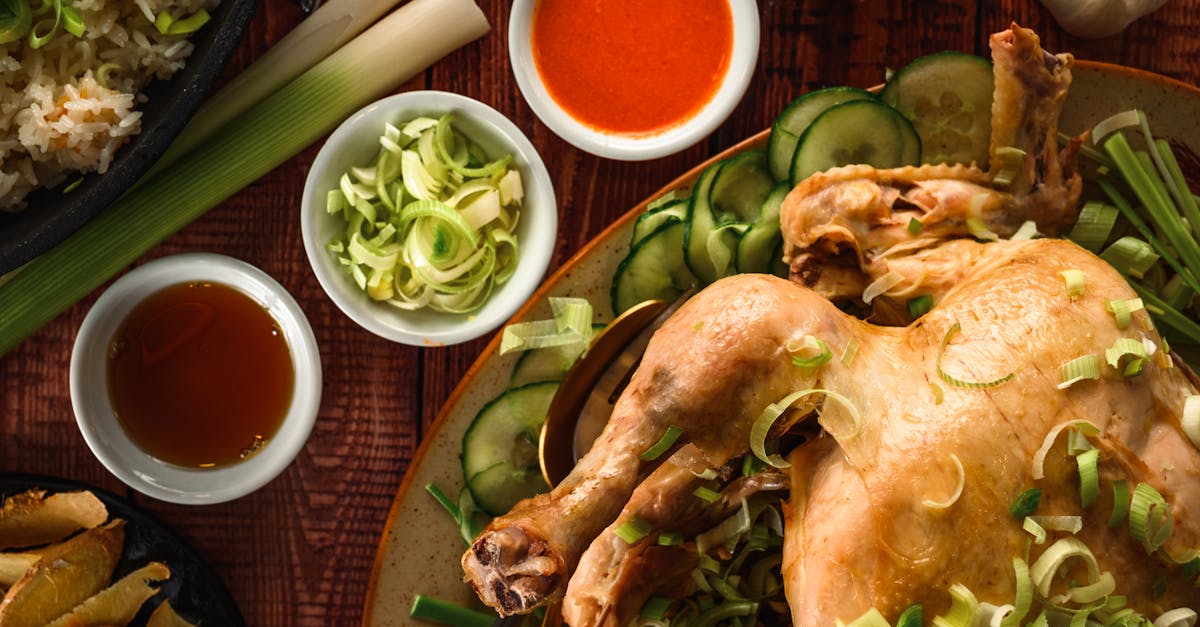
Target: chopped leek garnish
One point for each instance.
(1094, 225)
(1150, 518)
(880, 286)
(811, 352)
(1024, 596)
(850, 351)
(571, 324)
(938, 396)
(1026, 504)
(915, 226)
(762, 425)
(1130, 256)
(633, 530)
(963, 608)
(870, 618)
(1043, 571)
(166, 23)
(1039, 458)
(1035, 529)
(656, 608)
(1178, 617)
(728, 531)
(1114, 122)
(1129, 352)
(1089, 476)
(1190, 419)
(443, 242)
(912, 616)
(16, 20)
(673, 538)
(956, 382)
(1027, 231)
(920, 305)
(1076, 281)
(663, 444)
(959, 483)
(1123, 310)
(1079, 369)
(708, 495)
(1120, 503)
(438, 611)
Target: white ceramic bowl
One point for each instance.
(635, 147)
(355, 143)
(113, 446)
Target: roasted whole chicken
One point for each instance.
(909, 491)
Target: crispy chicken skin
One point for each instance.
(871, 522)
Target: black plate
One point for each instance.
(195, 591)
(51, 216)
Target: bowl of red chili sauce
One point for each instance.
(633, 79)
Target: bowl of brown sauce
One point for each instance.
(195, 378)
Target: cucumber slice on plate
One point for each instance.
(859, 131)
(948, 98)
(790, 125)
(647, 223)
(655, 268)
(499, 450)
(726, 200)
(758, 248)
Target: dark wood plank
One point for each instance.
(299, 551)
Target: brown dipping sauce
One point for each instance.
(200, 375)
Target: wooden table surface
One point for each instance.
(300, 550)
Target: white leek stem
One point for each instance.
(318, 36)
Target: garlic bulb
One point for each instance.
(1099, 18)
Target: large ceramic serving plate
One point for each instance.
(420, 548)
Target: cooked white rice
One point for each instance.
(67, 107)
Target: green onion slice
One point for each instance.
(72, 22)
(912, 616)
(663, 444)
(1035, 529)
(806, 346)
(656, 608)
(1123, 310)
(870, 618)
(1150, 518)
(961, 383)
(1178, 617)
(728, 530)
(673, 538)
(1094, 225)
(1130, 256)
(881, 285)
(633, 530)
(1114, 122)
(1128, 351)
(920, 305)
(708, 495)
(1043, 571)
(1076, 281)
(963, 608)
(915, 226)
(571, 324)
(1089, 476)
(1027, 231)
(1085, 367)
(850, 351)
(1120, 503)
(1026, 503)
(44, 29)
(1024, 596)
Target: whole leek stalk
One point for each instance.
(330, 27)
(371, 65)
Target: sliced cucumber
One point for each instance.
(741, 187)
(699, 228)
(859, 131)
(948, 98)
(758, 246)
(647, 223)
(790, 125)
(499, 454)
(547, 364)
(655, 268)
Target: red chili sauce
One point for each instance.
(200, 375)
(632, 66)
